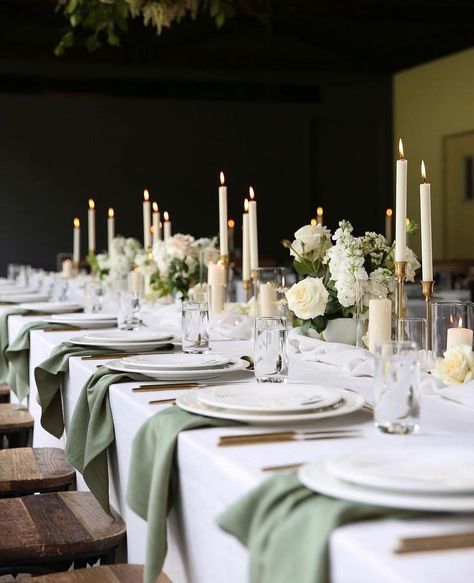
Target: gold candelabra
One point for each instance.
(246, 284)
(427, 287)
(400, 272)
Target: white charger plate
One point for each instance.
(127, 336)
(178, 361)
(22, 298)
(51, 307)
(271, 398)
(120, 346)
(179, 375)
(316, 477)
(423, 470)
(190, 401)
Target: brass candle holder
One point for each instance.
(427, 287)
(246, 285)
(400, 272)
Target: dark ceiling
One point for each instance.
(327, 36)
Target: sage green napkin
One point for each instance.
(92, 431)
(49, 376)
(4, 377)
(18, 355)
(152, 477)
(286, 528)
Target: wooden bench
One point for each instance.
(16, 425)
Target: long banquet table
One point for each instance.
(211, 478)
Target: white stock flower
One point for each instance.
(308, 298)
(412, 265)
(456, 368)
(311, 241)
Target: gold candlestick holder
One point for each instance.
(224, 259)
(246, 284)
(400, 272)
(427, 287)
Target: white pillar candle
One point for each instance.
(253, 230)
(166, 226)
(380, 322)
(68, 268)
(156, 223)
(245, 243)
(110, 228)
(76, 254)
(319, 215)
(146, 220)
(426, 243)
(91, 226)
(267, 300)
(136, 283)
(459, 336)
(401, 208)
(388, 226)
(216, 287)
(223, 242)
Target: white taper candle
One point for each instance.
(426, 242)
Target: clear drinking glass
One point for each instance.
(397, 387)
(129, 306)
(195, 327)
(414, 330)
(446, 315)
(270, 288)
(271, 349)
(93, 297)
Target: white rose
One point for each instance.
(312, 240)
(308, 298)
(456, 368)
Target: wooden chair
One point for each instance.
(26, 470)
(48, 533)
(16, 425)
(4, 394)
(112, 574)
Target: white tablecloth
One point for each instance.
(211, 478)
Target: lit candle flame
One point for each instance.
(314, 222)
(460, 323)
(161, 225)
(246, 205)
(407, 221)
(91, 204)
(152, 229)
(222, 177)
(146, 195)
(155, 207)
(166, 216)
(231, 223)
(111, 213)
(400, 149)
(251, 193)
(319, 211)
(77, 223)
(389, 212)
(423, 170)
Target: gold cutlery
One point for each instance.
(284, 468)
(441, 542)
(165, 387)
(65, 329)
(162, 401)
(262, 438)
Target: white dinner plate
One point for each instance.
(190, 401)
(269, 398)
(127, 336)
(423, 469)
(316, 477)
(51, 307)
(178, 361)
(120, 346)
(22, 298)
(179, 375)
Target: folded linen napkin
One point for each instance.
(4, 377)
(92, 431)
(461, 394)
(166, 318)
(354, 361)
(235, 326)
(18, 355)
(152, 477)
(286, 528)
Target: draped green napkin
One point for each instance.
(92, 431)
(49, 376)
(18, 355)
(152, 477)
(286, 528)
(4, 376)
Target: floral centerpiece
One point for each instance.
(456, 367)
(342, 276)
(121, 259)
(178, 262)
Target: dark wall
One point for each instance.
(58, 149)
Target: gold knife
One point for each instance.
(261, 438)
(440, 542)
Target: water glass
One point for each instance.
(413, 330)
(397, 387)
(93, 297)
(129, 306)
(269, 289)
(271, 349)
(195, 327)
(446, 315)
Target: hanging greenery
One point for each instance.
(104, 21)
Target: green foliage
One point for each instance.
(102, 22)
(178, 281)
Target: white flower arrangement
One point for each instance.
(352, 271)
(456, 367)
(121, 259)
